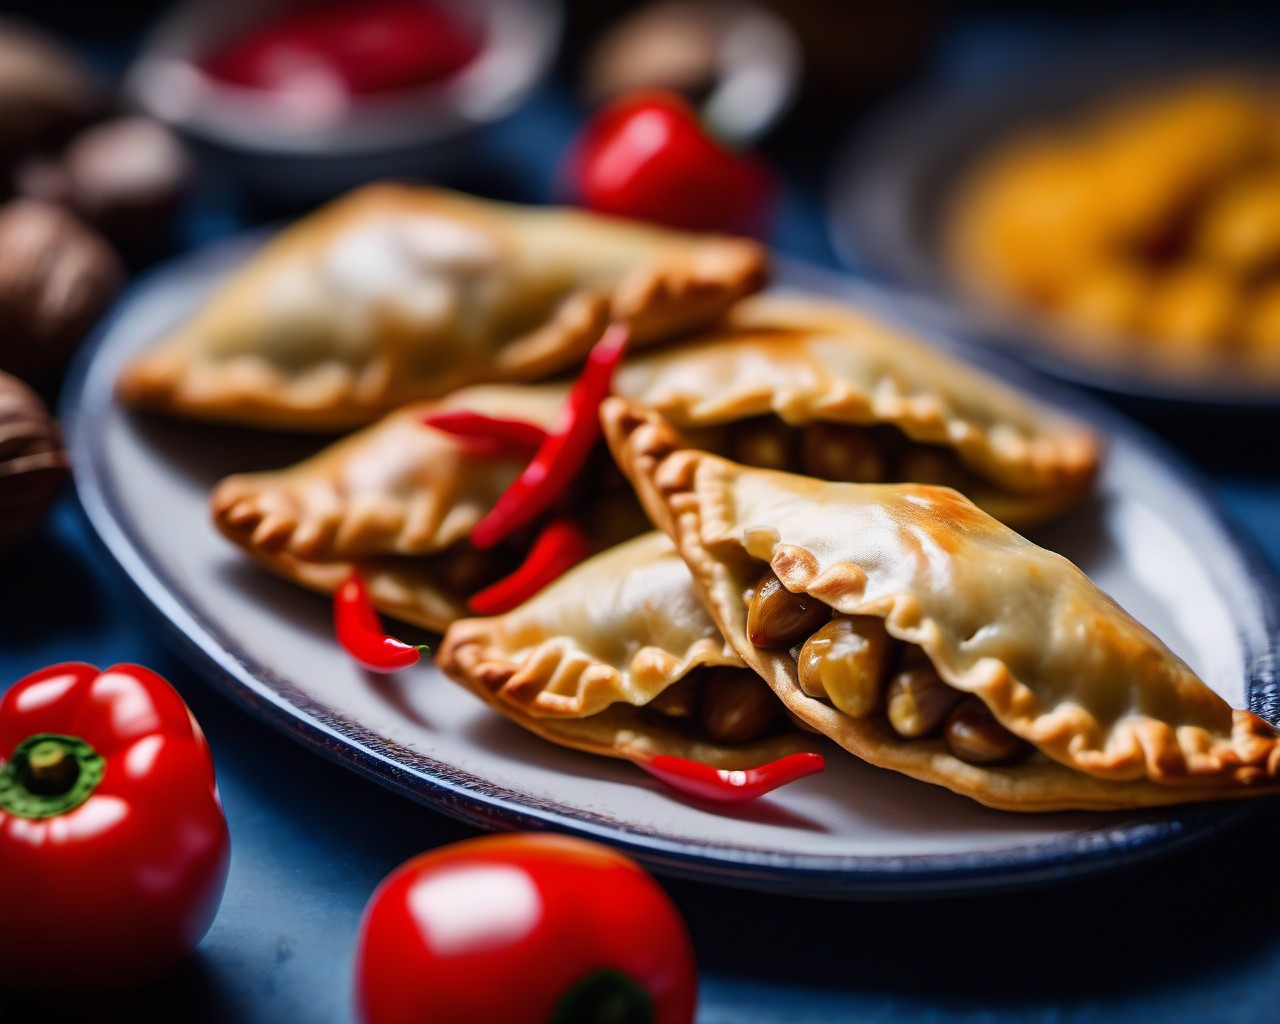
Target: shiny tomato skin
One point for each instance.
(500, 928)
(647, 157)
(111, 894)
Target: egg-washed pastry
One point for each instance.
(400, 498)
(1146, 230)
(809, 385)
(786, 384)
(618, 657)
(396, 293)
(922, 635)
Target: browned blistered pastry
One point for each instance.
(396, 293)
(400, 498)
(618, 657)
(792, 384)
(924, 636)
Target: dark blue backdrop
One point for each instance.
(1193, 937)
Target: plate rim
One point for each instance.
(469, 798)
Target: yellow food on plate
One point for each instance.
(1143, 231)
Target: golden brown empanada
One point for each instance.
(401, 488)
(397, 293)
(618, 657)
(814, 386)
(796, 384)
(1049, 696)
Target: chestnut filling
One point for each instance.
(842, 452)
(853, 664)
(725, 705)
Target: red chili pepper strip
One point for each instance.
(565, 449)
(489, 435)
(559, 547)
(356, 623)
(731, 787)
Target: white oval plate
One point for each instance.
(1153, 539)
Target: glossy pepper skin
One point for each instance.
(109, 893)
(539, 929)
(647, 157)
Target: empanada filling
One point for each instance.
(837, 451)
(600, 499)
(851, 662)
(725, 705)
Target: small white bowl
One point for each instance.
(276, 145)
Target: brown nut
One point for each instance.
(918, 702)
(44, 90)
(737, 706)
(833, 451)
(127, 177)
(974, 735)
(679, 700)
(56, 279)
(765, 443)
(845, 662)
(777, 617)
(32, 461)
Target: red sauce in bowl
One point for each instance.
(375, 47)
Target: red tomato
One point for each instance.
(647, 157)
(113, 846)
(530, 928)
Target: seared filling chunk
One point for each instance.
(853, 664)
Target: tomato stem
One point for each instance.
(49, 774)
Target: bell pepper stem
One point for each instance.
(51, 769)
(49, 774)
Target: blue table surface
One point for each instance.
(1190, 937)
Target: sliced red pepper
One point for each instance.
(565, 450)
(731, 787)
(559, 547)
(489, 435)
(356, 623)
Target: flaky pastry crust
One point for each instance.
(1117, 720)
(578, 662)
(396, 293)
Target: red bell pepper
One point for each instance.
(646, 156)
(539, 929)
(113, 845)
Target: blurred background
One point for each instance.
(1098, 196)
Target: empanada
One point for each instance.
(618, 657)
(397, 293)
(814, 386)
(924, 636)
(401, 488)
(788, 384)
